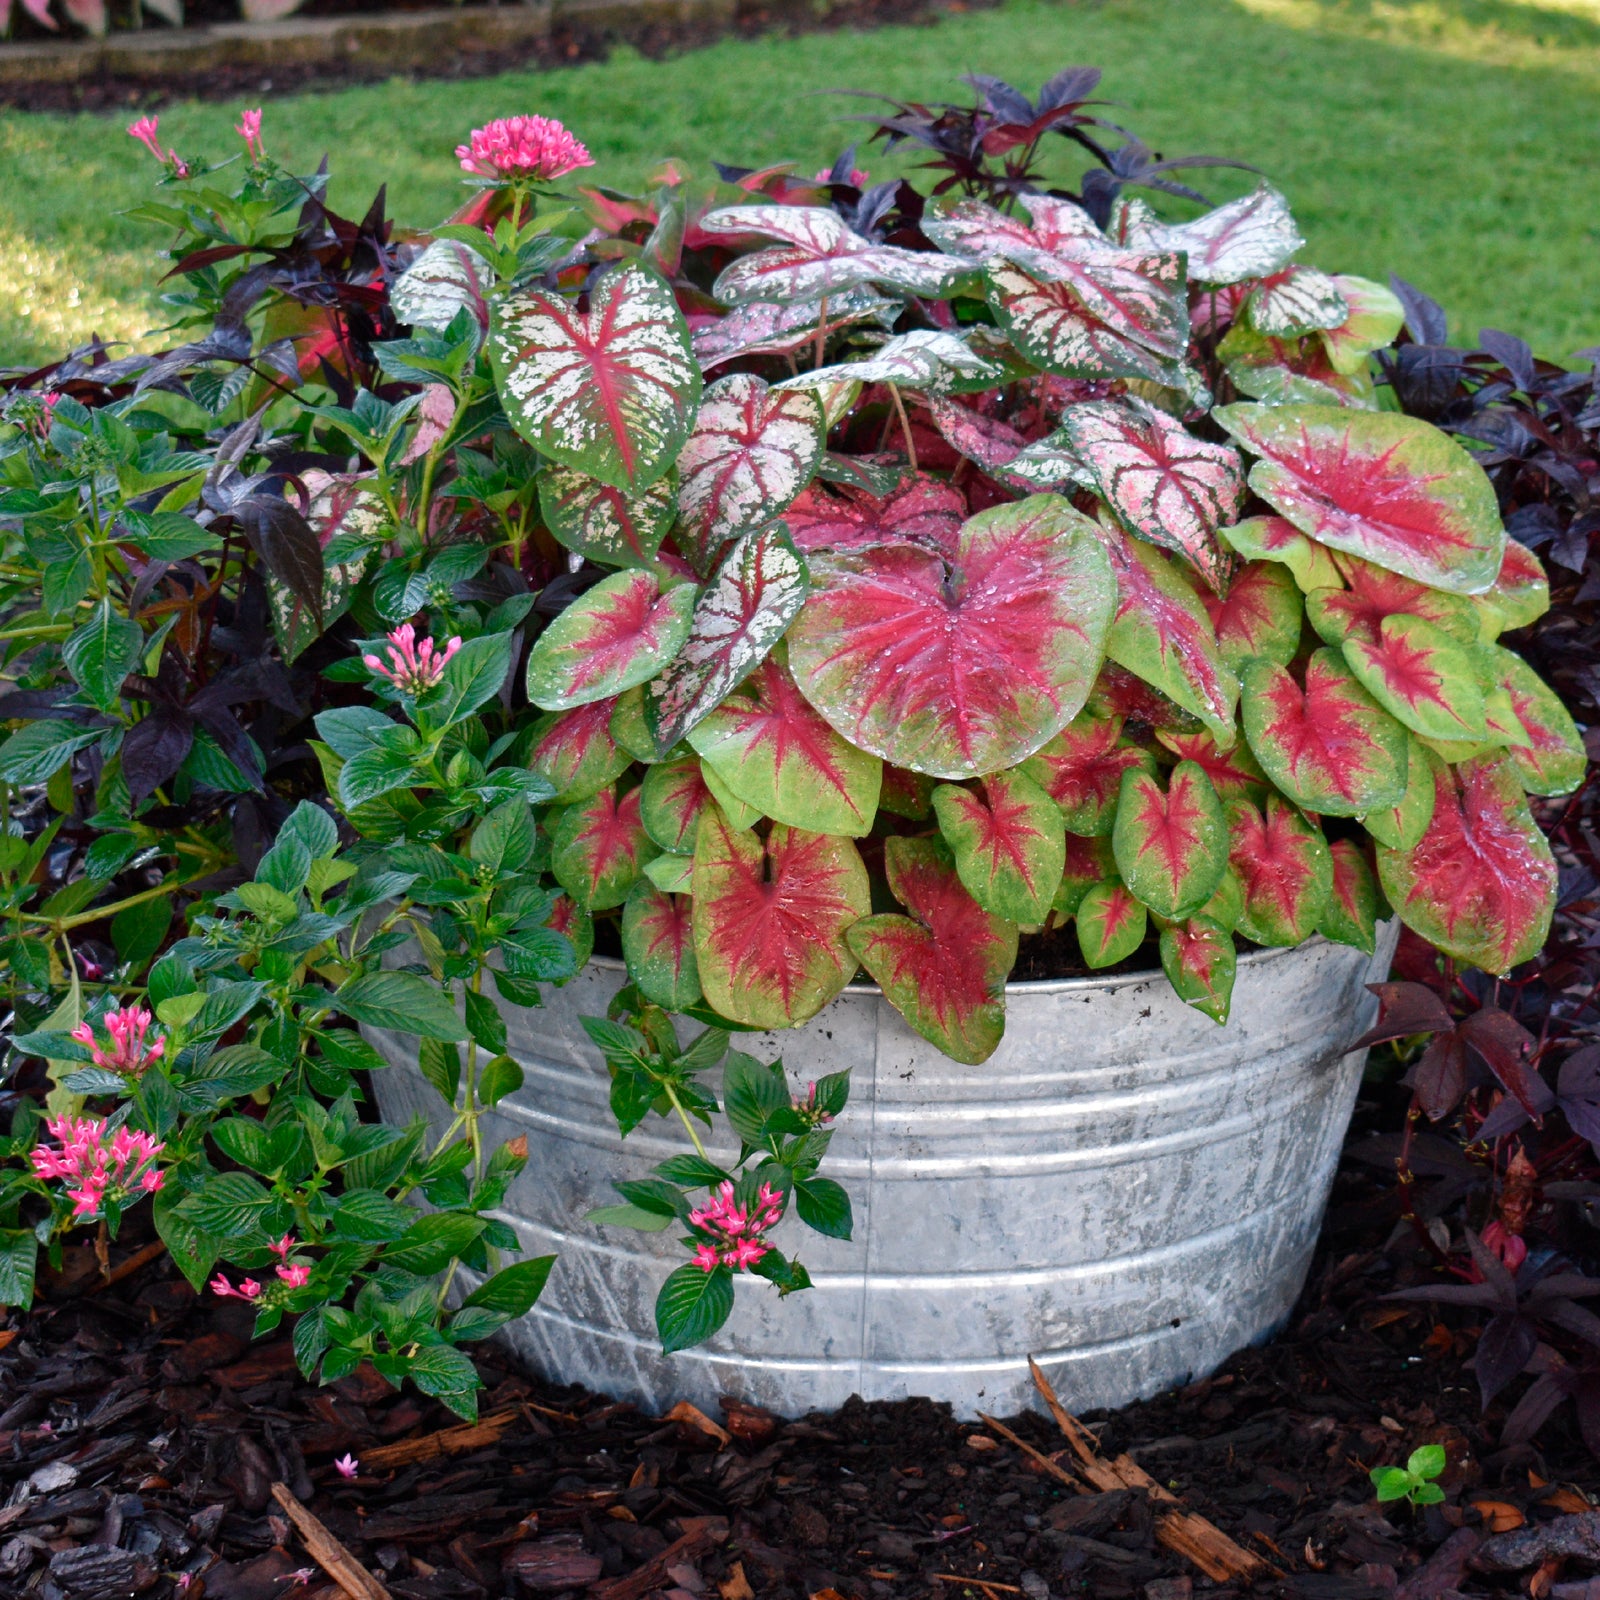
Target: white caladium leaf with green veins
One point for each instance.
(610, 392)
(1295, 301)
(745, 609)
(771, 329)
(926, 358)
(818, 256)
(1251, 237)
(444, 278)
(753, 449)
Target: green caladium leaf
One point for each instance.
(1284, 869)
(1081, 770)
(671, 799)
(599, 848)
(1111, 924)
(1277, 539)
(1226, 905)
(1260, 615)
(1357, 608)
(1481, 883)
(907, 794)
(1008, 842)
(618, 634)
(962, 663)
(1088, 860)
(1374, 322)
(1355, 903)
(741, 614)
(1545, 743)
(1330, 747)
(1418, 674)
(101, 652)
(1198, 959)
(1520, 596)
(1162, 633)
(770, 747)
(658, 945)
(770, 918)
(752, 450)
(1391, 489)
(1401, 826)
(604, 523)
(1296, 300)
(1234, 773)
(671, 873)
(609, 392)
(573, 751)
(1171, 848)
(944, 966)
(738, 812)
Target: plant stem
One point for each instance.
(683, 1116)
(822, 332)
(905, 423)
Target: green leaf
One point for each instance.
(137, 930)
(629, 1217)
(34, 753)
(432, 1242)
(472, 676)
(823, 1205)
(366, 1214)
(229, 1206)
(500, 1077)
(1427, 1461)
(692, 1305)
(401, 1002)
(1391, 1483)
(449, 1376)
(19, 1250)
(244, 1140)
(372, 773)
(102, 652)
(513, 1290)
(755, 1097)
(194, 1250)
(485, 1023)
(505, 837)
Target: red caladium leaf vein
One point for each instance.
(1259, 616)
(604, 523)
(1357, 611)
(1111, 924)
(671, 798)
(1351, 916)
(1081, 770)
(1546, 745)
(921, 510)
(658, 944)
(1009, 845)
(599, 849)
(1284, 869)
(1199, 961)
(575, 752)
(1246, 238)
(1420, 675)
(1171, 848)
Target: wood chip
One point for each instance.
(652, 1575)
(446, 1442)
(693, 1417)
(1054, 1468)
(327, 1552)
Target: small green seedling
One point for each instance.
(1413, 1481)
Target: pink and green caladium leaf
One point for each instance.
(1171, 848)
(1356, 607)
(609, 392)
(1296, 300)
(1120, 693)
(1087, 861)
(907, 794)
(671, 873)
(1234, 772)
(1161, 632)
(1401, 826)
(773, 329)
(1290, 371)
(1058, 232)
(1164, 484)
(1226, 904)
(1277, 539)
(1375, 320)
(770, 918)
(1329, 746)
(1389, 488)
(1111, 924)
(1053, 328)
(943, 967)
(1199, 961)
(1521, 594)
(1421, 676)
(575, 925)
(574, 751)
(1481, 883)
(628, 726)
(604, 523)
(1545, 743)
(818, 256)
(922, 510)
(599, 848)
(671, 799)
(751, 451)
(620, 633)
(1356, 902)
(740, 813)
(1081, 770)
(1260, 615)
(926, 359)
(1009, 846)
(1284, 868)
(962, 664)
(744, 611)
(769, 746)
(658, 945)
(1010, 459)
(1251, 237)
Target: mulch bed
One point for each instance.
(143, 1434)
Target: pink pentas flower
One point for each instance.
(295, 1273)
(129, 1052)
(145, 130)
(537, 148)
(248, 127)
(248, 1289)
(739, 1229)
(412, 668)
(97, 1166)
(859, 176)
(347, 1466)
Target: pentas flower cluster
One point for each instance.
(412, 668)
(740, 1243)
(248, 127)
(294, 1273)
(512, 148)
(129, 1053)
(97, 1166)
(808, 1108)
(144, 130)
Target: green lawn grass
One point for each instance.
(1452, 141)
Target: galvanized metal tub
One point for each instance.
(1125, 1191)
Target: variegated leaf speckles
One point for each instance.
(921, 510)
(1171, 848)
(771, 329)
(1389, 488)
(750, 453)
(1295, 301)
(770, 918)
(611, 391)
(348, 518)
(1481, 883)
(926, 358)
(1247, 238)
(743, 612)
(963, 664)
(1163, 483)
(604, 523)
(443, 279)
